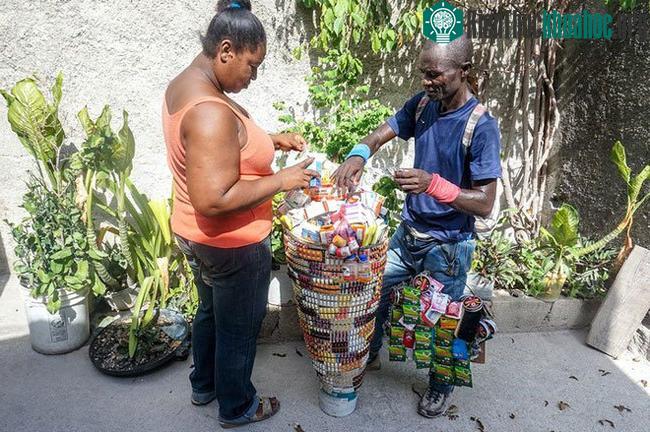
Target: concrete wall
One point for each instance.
(123, 53)
(604, 92)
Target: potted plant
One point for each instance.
(144, 248)
(52, 251)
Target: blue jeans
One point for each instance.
(408, 256)
(233, 287)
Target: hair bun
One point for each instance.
(224, 5)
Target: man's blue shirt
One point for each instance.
(439, 149)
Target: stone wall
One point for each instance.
(604, 92)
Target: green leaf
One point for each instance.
(57, 92)
(53, 304)
(62, 254)
(637, 183)
(56, 267)
(564, 226)
(618, 157)
(86, 122)
(97, 254)
(125, 151)
(104, 120)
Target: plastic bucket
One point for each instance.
(338, 404)
(62, 332)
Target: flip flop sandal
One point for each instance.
(269, 407)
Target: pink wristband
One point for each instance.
(442, 190)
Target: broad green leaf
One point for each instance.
(56, 267)
(124, 151)
(103, 122)
(160, 211)
(8, 97)
(618, 157)
(74, 282)
(637, 183)
(62, 254)
(564, 226)
(53, 304)
(97, 254)
(86, 122)
(82, 269)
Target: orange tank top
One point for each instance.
(234, 230)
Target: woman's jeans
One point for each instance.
(407, 256)
(233, 287)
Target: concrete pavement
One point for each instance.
(518, 389)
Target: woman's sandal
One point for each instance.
(267, 407)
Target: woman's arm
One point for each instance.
(212, 159)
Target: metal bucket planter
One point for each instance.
(62, 332)
(337, 318)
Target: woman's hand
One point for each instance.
(289, 141)
(297, 176)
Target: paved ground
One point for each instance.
(519, 389)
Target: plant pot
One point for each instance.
(105, 348)
(62, 332)
(121, 300)
(479, 286)
(553, 292)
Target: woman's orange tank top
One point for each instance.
(234, 230)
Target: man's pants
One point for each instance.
(233, 287)
(407, 256)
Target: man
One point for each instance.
(450, 184)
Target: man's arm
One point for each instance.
(349, 173)
(477, 201)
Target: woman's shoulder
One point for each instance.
(187, 87)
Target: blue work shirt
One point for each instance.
(439, 149)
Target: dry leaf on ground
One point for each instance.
(512, 415)
(298, 428)
(280, 354)
(573, 377)
(622, 408)
(609, 422)
(479, 423)
(563, 405)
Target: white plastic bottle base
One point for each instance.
(337, 406)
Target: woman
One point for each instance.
(223, 185)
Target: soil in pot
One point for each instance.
(164, 341)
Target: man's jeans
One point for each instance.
(233, 287)
(408, 256)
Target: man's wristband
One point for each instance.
(361, 150)
(442, 190)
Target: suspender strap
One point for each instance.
(421, 106)
(477, 112)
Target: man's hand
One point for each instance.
(348, 174)
(289, 141)
(413, 180)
